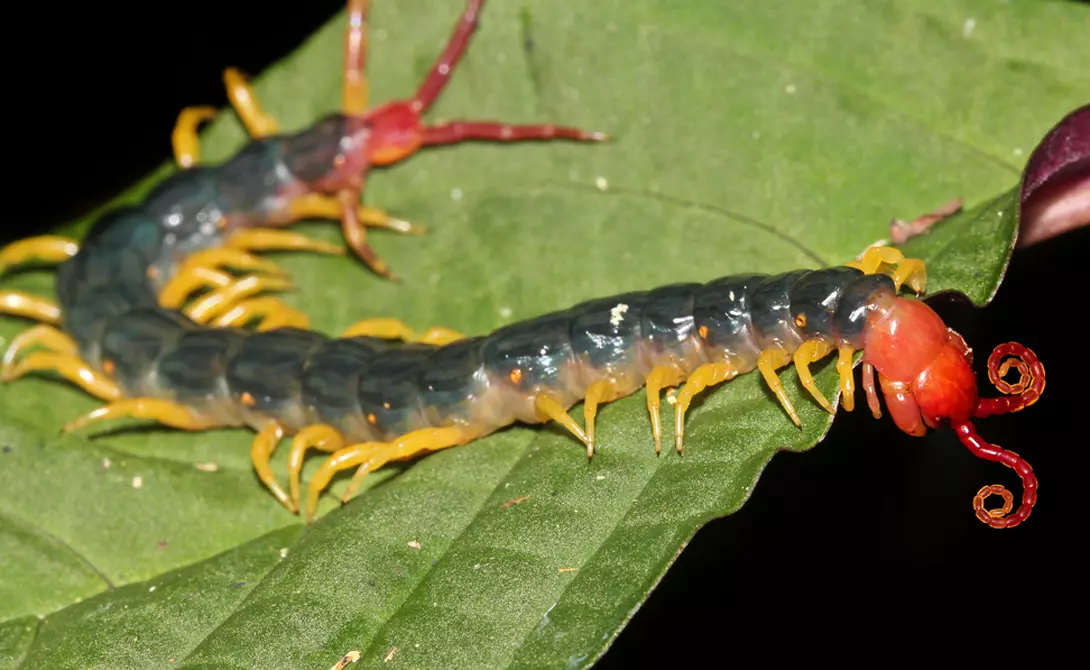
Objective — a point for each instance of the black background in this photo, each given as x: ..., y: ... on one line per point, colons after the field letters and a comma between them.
x: 870, y: 529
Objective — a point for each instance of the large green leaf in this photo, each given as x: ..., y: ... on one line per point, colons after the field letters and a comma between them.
x: 750, y: 136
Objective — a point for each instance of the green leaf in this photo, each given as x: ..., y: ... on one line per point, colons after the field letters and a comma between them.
x: 750, y: 137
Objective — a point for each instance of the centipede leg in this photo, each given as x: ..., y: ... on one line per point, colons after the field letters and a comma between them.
x: 318, y: 436
x: 20, y: 303
x: 768, y: 362
x: 71, y: 368
x: 704, y: 376
x: 154, y: 409
x: 355, y: 234
x: 910, y: 271
x: 810, y: 352
x: 871, y: 390
x: 242, y: 97
x: 273, y: 314
x: 393, y: 329
x: 844, y: 370
x: 204, y: 309
x: 226, y: 257
x: 660, y: 377
x: 966, y: 432
x: 41, y: 335
x: 600, y: 392
x: 370, y: 456
x: 261, y: 451
x: 190, y: 280
x: 549, y: 409
x: 319, y: 206
x: 184, y: 138
x: 270, y: 239
x: 44, y: 248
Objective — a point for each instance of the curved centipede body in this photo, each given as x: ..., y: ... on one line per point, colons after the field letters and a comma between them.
x: 368, y: 399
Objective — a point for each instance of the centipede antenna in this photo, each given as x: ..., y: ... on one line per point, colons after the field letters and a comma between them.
x: 448, y: 60
x: 1026, y: 391
x: 999, y: 518
x: 354, y: 90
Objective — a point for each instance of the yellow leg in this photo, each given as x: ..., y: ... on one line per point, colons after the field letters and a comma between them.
x: 904, y: 270
x: 600, y: 392
x: 154, y: 409
x: 809, y: 352
x: 318, y: 436
x: 18, y: 303
x: 768, y: 362
x: 71, y: 368
x: 205, y: 308
x: 184, y: 139
x: 370, y: 456
x: 177, y: 291
x: 241, y: 94
x: 273, y: 314
x: 319, y: 206
x: 41, y: 335
x: 704, y: 376
x: 226, y: 257
x: 271, y: 239
x: 393, y: 329
x: 847, y: 377
x: 261, y: 451
x: 662, y: 376
x: 44, y: 248
x: 549, y: 409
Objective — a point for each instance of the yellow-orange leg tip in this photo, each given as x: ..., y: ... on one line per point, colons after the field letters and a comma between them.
x: 241, y: 94
x: 269, y: 239
x: 317, y: 436
x: 346, y: 660
x: 41, y: 335
x: 874, y: 257
x: 320, y: 206
x: 660, y: 377
x: 19, y: 303
x: 370, y: 456
x: 704, y: 376
x: 44, y: 248
x: 768, y: 362
x: 272, y: 312
x: 154, y: 409
x: 189, y: 280
x: 184, y: 138
x: 844, y: 370
x: 226, y: 257
x: 205, y: 308
x: 261, y: 451
x: 548, y: 409
x: 355, y: 235
x: 871, y: 390
x: 911, y: 272
x: 810, y: 352
x: 600, y: 392
x: 71, y: 368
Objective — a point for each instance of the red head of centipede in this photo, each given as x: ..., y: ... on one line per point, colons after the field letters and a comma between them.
x: 925, y: 373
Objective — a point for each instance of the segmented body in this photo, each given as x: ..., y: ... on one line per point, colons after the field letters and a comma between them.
x: 375, y: 390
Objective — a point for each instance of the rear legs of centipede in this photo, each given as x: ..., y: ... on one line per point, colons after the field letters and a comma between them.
x: 396, y: 131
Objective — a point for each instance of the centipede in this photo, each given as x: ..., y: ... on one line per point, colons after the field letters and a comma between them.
x: 149, y: 319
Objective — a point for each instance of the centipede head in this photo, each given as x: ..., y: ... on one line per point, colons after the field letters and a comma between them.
x: 925, y: 372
